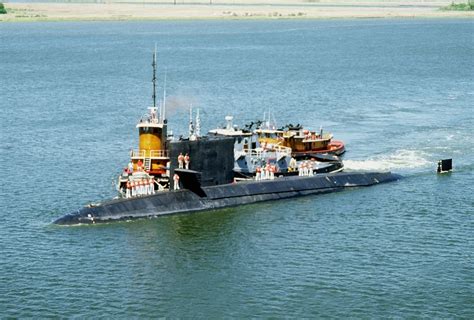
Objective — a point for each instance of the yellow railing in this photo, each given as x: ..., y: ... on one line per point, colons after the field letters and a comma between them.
x: 158, y: 154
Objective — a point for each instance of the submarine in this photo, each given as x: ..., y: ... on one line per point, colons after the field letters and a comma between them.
x: 208, y: 198
x: 168, y: 176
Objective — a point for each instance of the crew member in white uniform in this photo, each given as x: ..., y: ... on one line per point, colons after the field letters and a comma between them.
x: 176, y: 181
x: 152, y: 186
x: 187, y: 160
x: 272, y: 172
x: 180, y: 161
x: 258, y: 176
x: 128, y: 192
x: 147, y: 186
x: 140, y: 188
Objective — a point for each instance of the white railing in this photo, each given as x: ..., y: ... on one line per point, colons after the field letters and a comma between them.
x: 284, y: 150
x: 252, y: 152
x: 153, y: 154
x: 137, y: 154
x: 262, y: 152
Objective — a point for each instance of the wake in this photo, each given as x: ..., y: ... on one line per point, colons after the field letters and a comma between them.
x: 400, y: 160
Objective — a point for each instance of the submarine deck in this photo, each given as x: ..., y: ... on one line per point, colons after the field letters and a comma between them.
x: 222, y: 196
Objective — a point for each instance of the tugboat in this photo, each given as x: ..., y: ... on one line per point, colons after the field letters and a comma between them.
x: 146, y: 171
x: 168, y: 176
x: 147, y: 166
x: 304, y: 143
x: 252, y: 156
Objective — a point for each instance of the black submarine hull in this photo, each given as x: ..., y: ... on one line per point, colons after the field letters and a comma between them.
x: 221, y: 196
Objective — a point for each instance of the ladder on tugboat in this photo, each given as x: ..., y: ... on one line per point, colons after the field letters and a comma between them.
x: 147, y: 164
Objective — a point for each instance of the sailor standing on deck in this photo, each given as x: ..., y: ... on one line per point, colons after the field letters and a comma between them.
x: 152, y: 186
x: 272, y: 172
x: 258, y: 172
x: 293, y: 165
x: 167, y: 173
x: 129, y: 190
x: 187, y: 160
x: 130, y: 167
x: 180, y: 161
x: 176, y: 181
x: 140, y: 188
x: 303, y: 168
x: 147, y: 186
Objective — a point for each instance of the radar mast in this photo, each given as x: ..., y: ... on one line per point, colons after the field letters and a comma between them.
x: 154, y: 78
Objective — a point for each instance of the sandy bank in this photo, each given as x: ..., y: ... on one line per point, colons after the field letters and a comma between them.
x: 151, y: 11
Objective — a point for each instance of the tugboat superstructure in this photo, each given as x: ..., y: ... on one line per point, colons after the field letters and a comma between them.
x: 304, y: 143
x: 147, y: 169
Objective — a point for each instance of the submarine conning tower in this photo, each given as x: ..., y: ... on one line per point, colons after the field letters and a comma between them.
x: 212, y: 157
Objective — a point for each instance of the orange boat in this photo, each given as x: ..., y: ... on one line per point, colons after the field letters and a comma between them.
x: 303, y: 142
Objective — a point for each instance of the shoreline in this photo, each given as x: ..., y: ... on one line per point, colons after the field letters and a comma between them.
x: 61, y: 12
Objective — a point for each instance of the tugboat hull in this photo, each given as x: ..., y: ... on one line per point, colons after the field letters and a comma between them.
x: 221, y: 196
x: 335, y: 148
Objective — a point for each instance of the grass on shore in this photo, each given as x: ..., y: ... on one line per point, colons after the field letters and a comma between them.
x: 469, y: 6
x: 2, y: 9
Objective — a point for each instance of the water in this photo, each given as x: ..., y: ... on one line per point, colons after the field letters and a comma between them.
x: 400, y: 93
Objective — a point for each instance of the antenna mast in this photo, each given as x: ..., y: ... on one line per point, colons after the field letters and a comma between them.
x: 154, y: 78
x: 164, y: 99
x: 197, y: 128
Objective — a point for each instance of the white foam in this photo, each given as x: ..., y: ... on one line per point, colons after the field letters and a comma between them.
x: 399, y: 160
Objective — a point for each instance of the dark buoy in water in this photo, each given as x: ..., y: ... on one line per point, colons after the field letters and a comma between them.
x: 445, y: 165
